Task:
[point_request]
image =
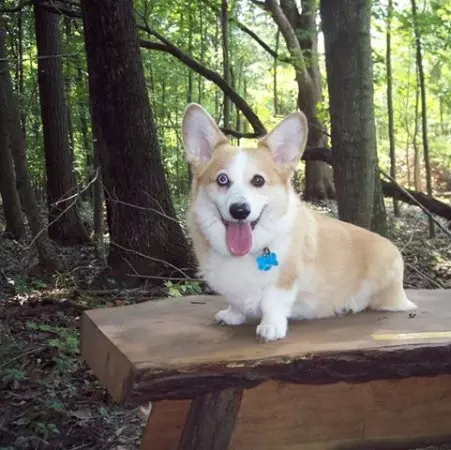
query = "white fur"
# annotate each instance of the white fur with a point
(200, 134)
(288, 139)
(251, 292)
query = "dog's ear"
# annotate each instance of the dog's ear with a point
(200, 134)
(288, 139)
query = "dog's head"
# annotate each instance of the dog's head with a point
(239, 195)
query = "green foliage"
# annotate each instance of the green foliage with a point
(183, 288)
(434, 25)
(194, 26)
(64, 340)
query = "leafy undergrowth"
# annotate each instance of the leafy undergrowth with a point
(48, 397)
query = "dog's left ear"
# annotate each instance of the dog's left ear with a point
(201, 135)
(288, 139)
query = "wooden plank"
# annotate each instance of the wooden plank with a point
(174, 350)
(104, 358)
(165, 425)
(211, 421)
(382, 414)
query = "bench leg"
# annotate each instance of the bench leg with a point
(211, 420)
(204, 423)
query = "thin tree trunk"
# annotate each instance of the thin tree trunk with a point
(391, 128)
(84, 114)
(20, 62)
(416, 151)
(203, 33)
(98, 204)
(346, 27)
(442, 107)
(407, 128)
(300, 34)
(216, 47)
(68, 91)
(225, 58)
(65, 226)
(145, 239)
(189, 96)
(275, 96)
(424, 123)
(9, 105)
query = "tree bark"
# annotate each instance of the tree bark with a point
(144, 236)
(346, 26)
(61, 182)
(424, 123)
(15, 227)
(391, 126)
(416, 150)
(225, 59)
(274, 85)
(300, 34)
(48, 257)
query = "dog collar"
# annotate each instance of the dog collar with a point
(267, 260)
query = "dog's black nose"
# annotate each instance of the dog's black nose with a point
(239, 211)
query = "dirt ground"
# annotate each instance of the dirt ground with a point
(48, 397)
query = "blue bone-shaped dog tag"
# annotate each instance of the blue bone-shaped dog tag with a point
(266, 261)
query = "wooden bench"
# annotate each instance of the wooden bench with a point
(368, 381)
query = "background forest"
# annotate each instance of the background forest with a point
(94, 183)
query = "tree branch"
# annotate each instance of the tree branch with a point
(273, 7)
(239, 134)
(168, 47)
(239, 102)
(58, 9)
(250, 33)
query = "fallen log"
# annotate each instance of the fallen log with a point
(391, 190)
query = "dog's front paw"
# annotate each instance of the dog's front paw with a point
(230, 316)
(273, 331)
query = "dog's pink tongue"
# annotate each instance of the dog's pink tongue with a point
(239, 238)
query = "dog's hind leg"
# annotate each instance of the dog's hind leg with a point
(392, 298)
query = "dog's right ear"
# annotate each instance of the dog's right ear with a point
(201, 134)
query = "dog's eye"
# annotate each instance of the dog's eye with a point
(223, 180)
(258, 181)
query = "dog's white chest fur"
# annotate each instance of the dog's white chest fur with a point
(239, 280)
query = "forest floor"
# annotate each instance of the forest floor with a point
(49, 398)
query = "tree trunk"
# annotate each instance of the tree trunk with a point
(20, 31)
(225, 59)
(48, 257)
(64, 227)
(15, 227)
(424, 123)
(68, 90)
(391, 127)
(203, 33)
(346, 26)
(318, 176)
(416, 151)
(274, 83)
(145, 239)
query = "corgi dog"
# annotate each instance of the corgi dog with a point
(264, 250)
